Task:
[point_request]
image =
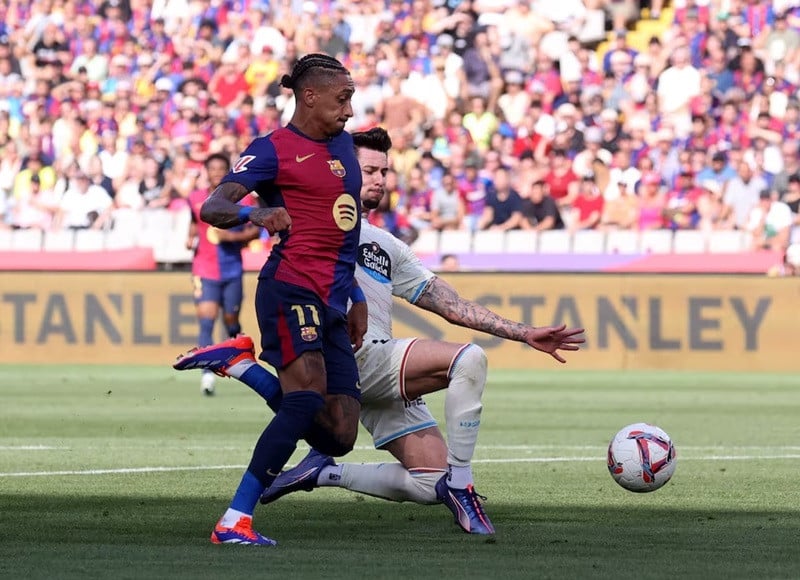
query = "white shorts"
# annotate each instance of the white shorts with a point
(385, 411)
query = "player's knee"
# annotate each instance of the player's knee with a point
(422, 486)
(472, 365)
(333, 443)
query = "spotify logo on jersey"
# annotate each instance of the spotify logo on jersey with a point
(345, 212)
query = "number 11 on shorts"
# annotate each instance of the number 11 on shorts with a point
(301, 309)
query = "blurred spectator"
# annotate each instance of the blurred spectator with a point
(34, 165)
(228, 86)
(583, 162)
(539, 210)
(449, 263)
(622, 211)
(718, 171)
(480, 122)
(681, 211)
(503, 209)
(792, 196)
(677, 86)
(37, 210)
(651, 203)
(791, 166)
(399, 112)
(588, 205)
(619, 45)
(770, 223)
(418, 200)
(84, 205)
(387, 216)
(710, 205)
(741, 196)
(514, 102)
(473, 189)
(447, 206)
(561, 180)
(482, 73)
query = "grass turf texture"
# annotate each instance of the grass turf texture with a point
(731, 510)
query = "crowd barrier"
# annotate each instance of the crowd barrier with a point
(735, 323)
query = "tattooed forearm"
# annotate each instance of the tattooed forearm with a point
(220, 209)
(442, 299)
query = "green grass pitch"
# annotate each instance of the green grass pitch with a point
(121, 472)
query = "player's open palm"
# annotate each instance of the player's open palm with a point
(551, 339)
(273, 219)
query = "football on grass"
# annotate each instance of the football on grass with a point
(641, 457)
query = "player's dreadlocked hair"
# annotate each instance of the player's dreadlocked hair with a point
(311, 66)
(376, 139)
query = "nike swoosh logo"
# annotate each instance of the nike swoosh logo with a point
(304, 157)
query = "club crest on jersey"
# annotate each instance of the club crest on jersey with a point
(337, 168)
(308, 333)
(375, 262)
(241, 164)
(345, 212)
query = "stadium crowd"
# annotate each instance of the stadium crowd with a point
(504, 114)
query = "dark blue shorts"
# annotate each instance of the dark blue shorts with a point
(293, 320)
(227, 293)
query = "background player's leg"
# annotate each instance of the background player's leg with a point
(208, 297)
(232, 296)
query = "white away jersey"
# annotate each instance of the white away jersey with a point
(385, 267)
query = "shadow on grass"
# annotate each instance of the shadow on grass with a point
(353, 537)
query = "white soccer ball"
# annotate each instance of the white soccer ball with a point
(641, 457)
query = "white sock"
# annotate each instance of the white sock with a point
(231, 516)
(330, 476)
(462, 405)
(389, 481)
(460, 476)
(236, 371)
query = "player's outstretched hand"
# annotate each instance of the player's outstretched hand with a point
(551, 339)
(273, 219)
(357, 324)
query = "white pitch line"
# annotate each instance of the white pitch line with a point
(122, 470)
(30, 448)
(129, 470)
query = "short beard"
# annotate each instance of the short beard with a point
(370, 204)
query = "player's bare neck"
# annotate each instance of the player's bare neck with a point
(309, 127)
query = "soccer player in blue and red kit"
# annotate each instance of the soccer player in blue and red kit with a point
(308, 175)
(217, 265)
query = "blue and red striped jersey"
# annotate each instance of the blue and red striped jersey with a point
(214, 260)
(319, 184)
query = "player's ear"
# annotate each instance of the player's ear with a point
(309, 96)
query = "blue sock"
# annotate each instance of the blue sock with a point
(206, 332)
(265, 384)
(279, 440)
(234, 330)
(247, 494)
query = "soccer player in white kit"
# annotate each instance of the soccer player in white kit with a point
(395, 373)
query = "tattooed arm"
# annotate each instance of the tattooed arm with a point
(442, 299)
(220, 210)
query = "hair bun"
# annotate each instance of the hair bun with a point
(287, 82)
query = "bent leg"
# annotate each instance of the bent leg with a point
(423, 462)
(462, 369)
